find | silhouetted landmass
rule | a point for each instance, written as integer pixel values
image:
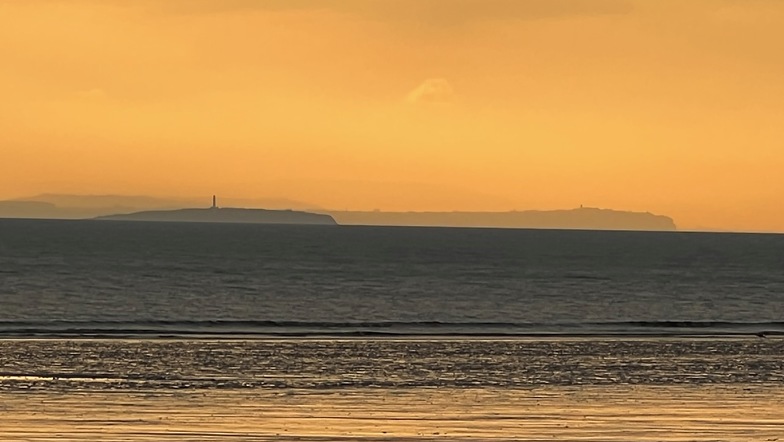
(582, 218)
(62, 206)
(225, 215)
(65, 206)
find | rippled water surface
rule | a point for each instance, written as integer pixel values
(71, 278)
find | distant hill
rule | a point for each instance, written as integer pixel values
(582, 218)
(67, 201)
(44, 210)
(225, 215)
(62, 206)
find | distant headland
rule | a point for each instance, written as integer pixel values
(584, 218)
(144, 208)
(217, 214)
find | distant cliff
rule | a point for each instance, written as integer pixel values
(225, 215)
(582, 218)
(146, 208)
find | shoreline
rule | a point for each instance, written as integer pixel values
(281, 337)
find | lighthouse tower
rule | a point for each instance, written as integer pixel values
(214, 202)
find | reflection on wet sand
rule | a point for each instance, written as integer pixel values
(642, 413)
(371, 389)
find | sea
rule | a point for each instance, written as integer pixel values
(198, 331)
(99, 278)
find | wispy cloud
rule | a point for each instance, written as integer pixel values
(432, 90)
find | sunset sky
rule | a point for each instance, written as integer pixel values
(670, 106)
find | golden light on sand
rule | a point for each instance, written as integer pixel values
(607, 413)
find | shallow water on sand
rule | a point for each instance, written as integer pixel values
(563, 389)
(378, 363)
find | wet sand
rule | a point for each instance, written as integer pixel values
(377, 390)
(705, 413)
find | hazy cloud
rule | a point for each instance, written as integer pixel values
(432, 90)
(437, 12)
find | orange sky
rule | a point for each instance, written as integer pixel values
(668, 106)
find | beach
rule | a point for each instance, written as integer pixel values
(132, 390)
(708, 413)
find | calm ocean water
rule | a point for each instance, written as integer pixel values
(86, 278)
